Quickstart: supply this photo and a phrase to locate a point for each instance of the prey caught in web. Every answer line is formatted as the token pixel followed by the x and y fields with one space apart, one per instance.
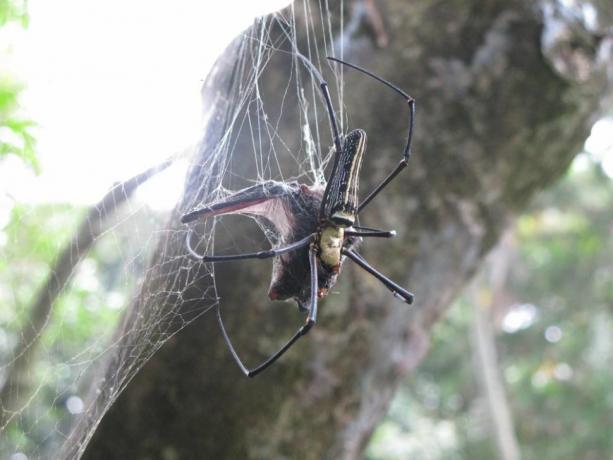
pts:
pixel 316 224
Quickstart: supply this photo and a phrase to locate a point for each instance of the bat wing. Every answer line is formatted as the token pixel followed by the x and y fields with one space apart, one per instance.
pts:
pixel 269 200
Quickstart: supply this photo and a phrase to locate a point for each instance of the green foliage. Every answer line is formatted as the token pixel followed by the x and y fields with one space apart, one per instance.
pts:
pixel 557 369
pixel 78 330
pixel 16 136
pixel 14 11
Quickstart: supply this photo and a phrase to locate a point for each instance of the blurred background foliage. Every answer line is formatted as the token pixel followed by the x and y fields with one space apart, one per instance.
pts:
pixel 554 341
pixel 16 137
pixel 14 11
pixel 83 319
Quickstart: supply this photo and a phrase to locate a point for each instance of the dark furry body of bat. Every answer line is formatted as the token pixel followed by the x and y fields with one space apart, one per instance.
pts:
pixel 293 211
pixel 290 275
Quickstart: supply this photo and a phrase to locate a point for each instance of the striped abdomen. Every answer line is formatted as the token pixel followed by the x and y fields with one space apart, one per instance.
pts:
pixel 340 202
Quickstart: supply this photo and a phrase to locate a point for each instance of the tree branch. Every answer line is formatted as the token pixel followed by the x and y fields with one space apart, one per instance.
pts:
pixel 17 386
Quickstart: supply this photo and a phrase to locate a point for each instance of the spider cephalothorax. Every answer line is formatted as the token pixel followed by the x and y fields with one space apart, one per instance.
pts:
pixel 316 228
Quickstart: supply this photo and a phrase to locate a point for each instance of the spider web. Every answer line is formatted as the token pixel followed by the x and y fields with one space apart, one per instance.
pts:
pixel 131 291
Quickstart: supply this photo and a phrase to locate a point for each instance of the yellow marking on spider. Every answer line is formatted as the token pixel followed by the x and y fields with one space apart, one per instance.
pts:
pixel 355 167
pixel 330 244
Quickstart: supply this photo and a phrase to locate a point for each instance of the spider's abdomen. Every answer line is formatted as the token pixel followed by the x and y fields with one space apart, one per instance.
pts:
pixel 341 197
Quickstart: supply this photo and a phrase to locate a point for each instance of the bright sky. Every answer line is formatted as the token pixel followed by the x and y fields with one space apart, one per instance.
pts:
pixel 114 87
pixel 600 144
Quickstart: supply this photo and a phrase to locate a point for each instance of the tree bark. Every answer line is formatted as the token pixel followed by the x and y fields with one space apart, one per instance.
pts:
pixel 499 118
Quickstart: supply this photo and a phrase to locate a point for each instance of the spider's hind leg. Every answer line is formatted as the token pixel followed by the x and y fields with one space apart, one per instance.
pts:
pixel 303 330
pixel 397 290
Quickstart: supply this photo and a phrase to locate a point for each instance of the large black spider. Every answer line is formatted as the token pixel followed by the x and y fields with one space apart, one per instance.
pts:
pixel 316 227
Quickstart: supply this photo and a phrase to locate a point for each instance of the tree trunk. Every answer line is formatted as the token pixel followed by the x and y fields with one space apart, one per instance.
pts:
pixel 496 122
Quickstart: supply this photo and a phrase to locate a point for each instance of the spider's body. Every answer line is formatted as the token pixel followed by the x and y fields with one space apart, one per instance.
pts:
pixel 297 211
pixel 316 229
pixel 290 276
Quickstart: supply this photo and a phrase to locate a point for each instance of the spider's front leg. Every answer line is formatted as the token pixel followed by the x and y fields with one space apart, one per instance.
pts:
pixel 407 149
pixel 274 252
pixel 400 166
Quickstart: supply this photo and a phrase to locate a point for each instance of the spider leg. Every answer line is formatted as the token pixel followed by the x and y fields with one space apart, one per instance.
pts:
pixel 326 95
pixel 371 233
pixel 310 321
pixel 369 229
pixel 407 149
pixel 398 291
pixel 247 255
pixel 338 148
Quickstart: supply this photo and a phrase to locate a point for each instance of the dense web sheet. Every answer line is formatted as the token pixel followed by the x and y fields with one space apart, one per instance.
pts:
pixel 137 287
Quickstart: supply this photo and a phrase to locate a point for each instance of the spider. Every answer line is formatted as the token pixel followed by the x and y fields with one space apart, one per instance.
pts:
pixel 317 227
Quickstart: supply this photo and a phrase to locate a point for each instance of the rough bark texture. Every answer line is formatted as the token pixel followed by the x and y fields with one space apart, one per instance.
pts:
pixel 496 123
